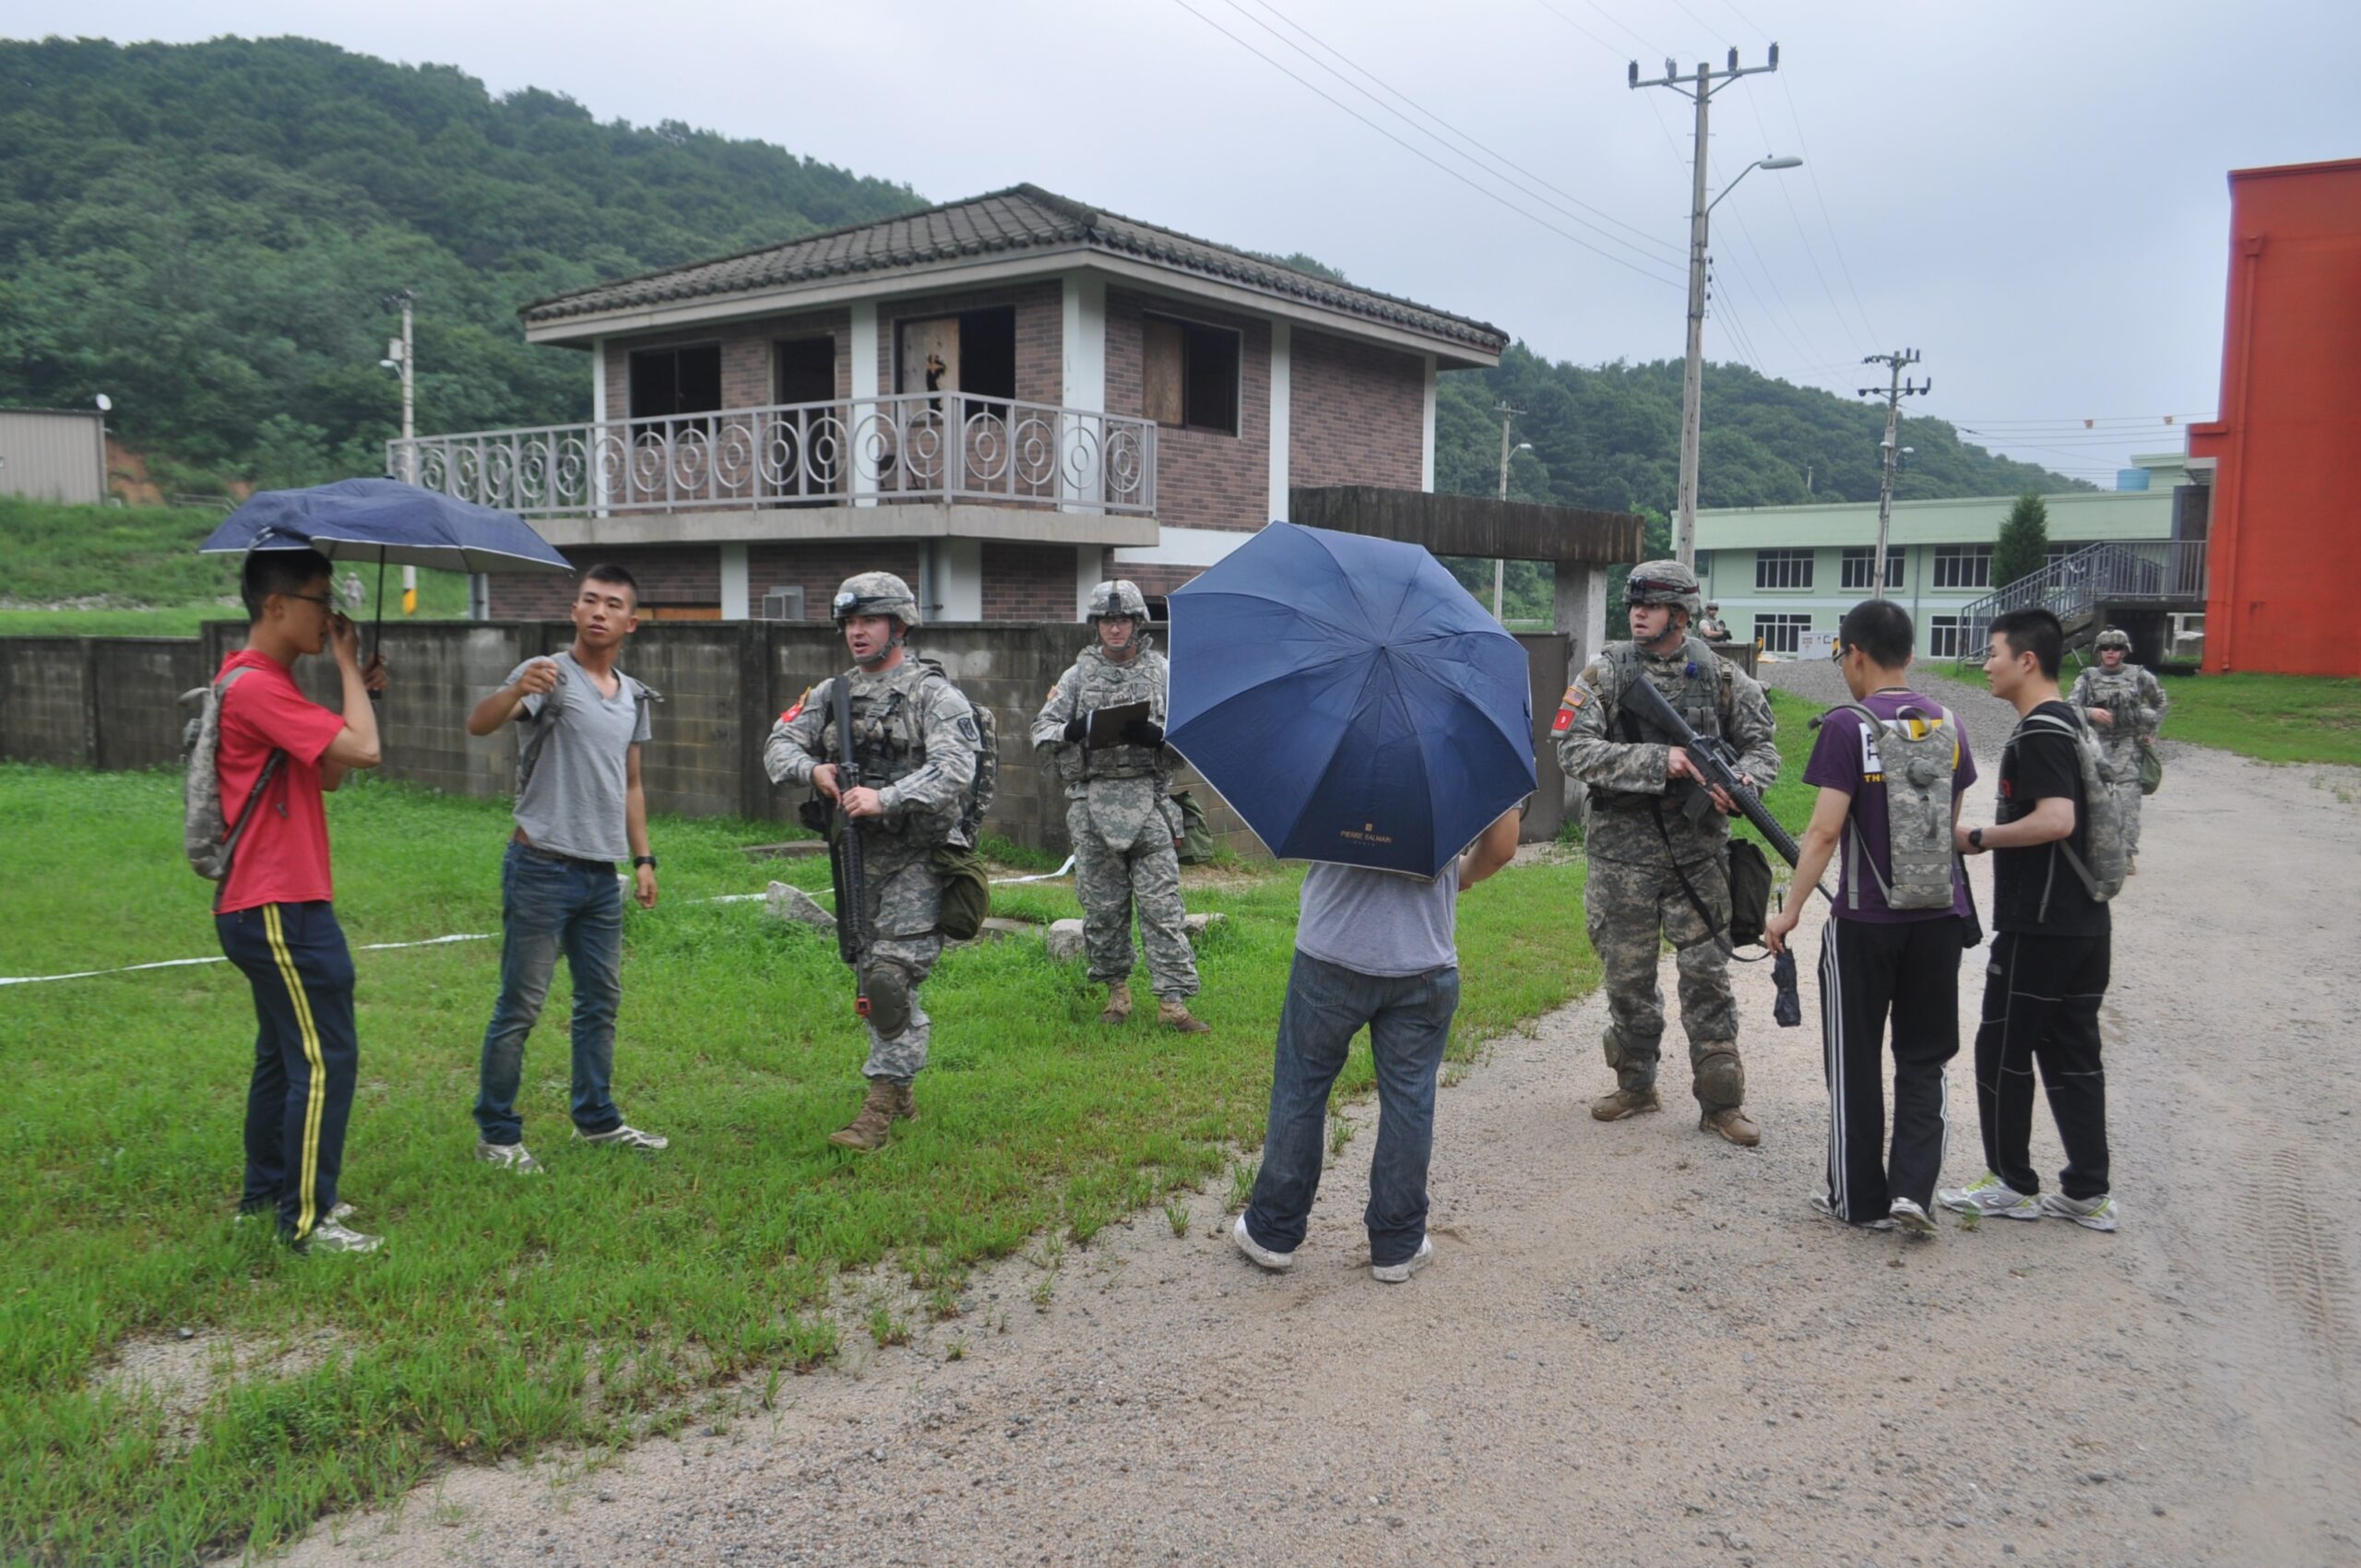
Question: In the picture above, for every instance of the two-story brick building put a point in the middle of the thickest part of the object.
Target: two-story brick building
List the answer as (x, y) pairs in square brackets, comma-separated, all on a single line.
[(1004, 400)]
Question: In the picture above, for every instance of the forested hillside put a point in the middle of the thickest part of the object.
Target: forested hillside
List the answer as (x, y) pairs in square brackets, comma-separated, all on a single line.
[(206, 233)]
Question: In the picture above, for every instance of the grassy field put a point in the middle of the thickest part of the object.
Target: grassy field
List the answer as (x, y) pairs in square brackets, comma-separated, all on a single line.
[(593, 1305), (133, 571), (2271, 717)]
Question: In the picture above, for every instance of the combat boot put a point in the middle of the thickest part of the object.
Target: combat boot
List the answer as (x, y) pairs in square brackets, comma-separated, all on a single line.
[(905, 1104), (1173, 1013), (1733, 1124), (867, 1130), (1624, 1102), (1119, 1003)]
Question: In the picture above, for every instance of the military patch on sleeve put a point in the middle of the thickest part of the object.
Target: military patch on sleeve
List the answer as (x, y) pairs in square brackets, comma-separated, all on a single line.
[(1575, 697), (1053, 695), (793, 714), (968, 731)]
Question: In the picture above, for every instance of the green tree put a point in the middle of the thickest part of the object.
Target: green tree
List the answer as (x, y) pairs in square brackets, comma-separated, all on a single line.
[(2023, 545)]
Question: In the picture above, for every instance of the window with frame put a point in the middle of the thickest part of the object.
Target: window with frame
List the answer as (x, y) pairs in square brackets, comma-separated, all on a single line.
[(1781, 633), (1857, 567), (681, 380), (1946, 636), (1962, 565), (1189, 373), (1783, 569)]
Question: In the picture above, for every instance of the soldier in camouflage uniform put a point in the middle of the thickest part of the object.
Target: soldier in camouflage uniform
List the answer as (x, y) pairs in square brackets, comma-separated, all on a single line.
[(2125, 704), (1641, 843), (916, 738), (1121, 825)]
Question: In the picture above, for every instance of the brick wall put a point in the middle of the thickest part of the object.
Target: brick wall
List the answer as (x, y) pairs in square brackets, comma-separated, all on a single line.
[(820, 569), (747, 379), (1203, 480), (1154, 580), (1028, 582), (1357, 413), (674, 576)]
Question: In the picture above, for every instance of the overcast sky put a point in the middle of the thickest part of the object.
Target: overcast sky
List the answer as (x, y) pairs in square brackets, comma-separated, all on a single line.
[(2030, 195)]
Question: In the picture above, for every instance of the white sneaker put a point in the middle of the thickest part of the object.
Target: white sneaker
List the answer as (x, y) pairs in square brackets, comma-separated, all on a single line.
[(510, 1156), (2091, 1214), (1395, 1272), (328, 1236), (1912, 1220), (1990, 1196), (1821, 1204), (626, 1137), (342, 1211), (1277, 1262)]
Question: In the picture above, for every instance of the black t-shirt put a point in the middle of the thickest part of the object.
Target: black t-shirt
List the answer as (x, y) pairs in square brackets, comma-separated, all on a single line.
[(2036, 889)]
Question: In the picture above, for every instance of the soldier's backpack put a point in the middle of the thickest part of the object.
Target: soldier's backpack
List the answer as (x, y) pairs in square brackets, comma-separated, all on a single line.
[(207, 837), (966, 881), (985, 788), (1917, 755), (1196, 833), (2102, 821)]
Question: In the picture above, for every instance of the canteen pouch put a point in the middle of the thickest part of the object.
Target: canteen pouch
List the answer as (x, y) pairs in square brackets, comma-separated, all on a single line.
[(2151, 766), (966, 890), (814, 812)]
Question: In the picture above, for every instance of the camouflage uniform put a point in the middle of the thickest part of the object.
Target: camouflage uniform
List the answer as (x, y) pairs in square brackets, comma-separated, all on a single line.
[(1632, 893), (1121, 825), (2135, 700), (916, 737)]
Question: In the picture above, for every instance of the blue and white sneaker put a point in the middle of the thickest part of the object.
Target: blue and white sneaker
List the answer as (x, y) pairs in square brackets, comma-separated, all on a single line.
[(626, 1137), (1990, 1196), (2091, 1214), (1912, 1220)]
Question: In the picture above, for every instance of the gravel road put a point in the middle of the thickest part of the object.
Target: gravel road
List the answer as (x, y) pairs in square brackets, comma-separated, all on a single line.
[(1638, 1345)]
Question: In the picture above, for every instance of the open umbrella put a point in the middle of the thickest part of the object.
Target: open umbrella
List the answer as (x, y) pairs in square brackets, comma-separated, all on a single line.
[(1349, 700), (391, 523)]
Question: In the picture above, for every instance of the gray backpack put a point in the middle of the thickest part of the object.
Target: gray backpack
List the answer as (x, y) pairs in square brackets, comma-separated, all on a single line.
[(2103, 875), (206, 837), (1917, 757)]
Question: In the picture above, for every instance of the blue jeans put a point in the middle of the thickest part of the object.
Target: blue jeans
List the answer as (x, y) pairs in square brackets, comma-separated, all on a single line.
[(548, 902), (1409, 1021)]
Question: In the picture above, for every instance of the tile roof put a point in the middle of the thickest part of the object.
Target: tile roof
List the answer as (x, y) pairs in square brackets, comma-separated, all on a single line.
[(1005, 223)]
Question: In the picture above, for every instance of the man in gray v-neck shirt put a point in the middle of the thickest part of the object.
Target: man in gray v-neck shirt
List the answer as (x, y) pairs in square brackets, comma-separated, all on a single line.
[(579, 809)]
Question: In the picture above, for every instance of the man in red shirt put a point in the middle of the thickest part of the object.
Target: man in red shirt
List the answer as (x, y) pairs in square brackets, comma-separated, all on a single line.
[(274, 913)]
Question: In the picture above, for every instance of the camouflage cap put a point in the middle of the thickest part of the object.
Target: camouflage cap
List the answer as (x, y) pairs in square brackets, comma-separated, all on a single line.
[(1120, 597), (874, 593), (2115, 637), (1663, 582)]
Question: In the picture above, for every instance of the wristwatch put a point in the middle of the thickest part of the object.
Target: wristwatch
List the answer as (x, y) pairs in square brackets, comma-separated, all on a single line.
[(639, 861), (1974, 839)]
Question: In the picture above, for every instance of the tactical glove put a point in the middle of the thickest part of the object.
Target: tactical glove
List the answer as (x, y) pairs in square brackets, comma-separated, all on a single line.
[(1077, 727), (1144, 733)]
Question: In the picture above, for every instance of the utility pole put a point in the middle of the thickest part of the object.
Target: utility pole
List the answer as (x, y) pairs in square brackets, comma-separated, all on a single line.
[(1896, 390), (399, 352), (1700, 89), (1500, 565)]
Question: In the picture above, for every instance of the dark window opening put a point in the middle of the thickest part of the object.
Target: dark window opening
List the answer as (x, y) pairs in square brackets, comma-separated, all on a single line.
[(1189, 374), (988, 354), (675, 381), (805, 370)]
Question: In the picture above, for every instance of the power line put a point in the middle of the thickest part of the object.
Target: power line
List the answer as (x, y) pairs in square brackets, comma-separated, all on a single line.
[(1422, 154), (1812, 171)]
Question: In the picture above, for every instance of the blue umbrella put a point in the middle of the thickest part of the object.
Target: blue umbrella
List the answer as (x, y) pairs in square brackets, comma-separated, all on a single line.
[(1349, 700)]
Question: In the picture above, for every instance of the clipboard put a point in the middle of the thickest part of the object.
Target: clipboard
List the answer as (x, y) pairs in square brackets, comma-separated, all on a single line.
[(1107, 724)]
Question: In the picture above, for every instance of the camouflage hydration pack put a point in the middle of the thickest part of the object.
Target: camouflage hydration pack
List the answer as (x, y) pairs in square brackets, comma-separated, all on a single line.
[(985, 788), (1917, 757), (207, 836), (2102, 818)]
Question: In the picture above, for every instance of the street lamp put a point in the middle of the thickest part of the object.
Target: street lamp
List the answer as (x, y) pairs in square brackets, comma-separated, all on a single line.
[(1692, 377), (1500, 564)]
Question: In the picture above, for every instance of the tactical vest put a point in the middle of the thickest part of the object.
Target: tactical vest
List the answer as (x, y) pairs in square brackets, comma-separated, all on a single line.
[(2118, 693), (888, 737), (1696, 697), (1104, 683)]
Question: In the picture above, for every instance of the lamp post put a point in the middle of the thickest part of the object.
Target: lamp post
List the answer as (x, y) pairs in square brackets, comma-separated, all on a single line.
[(1500, 564), (399, 357)]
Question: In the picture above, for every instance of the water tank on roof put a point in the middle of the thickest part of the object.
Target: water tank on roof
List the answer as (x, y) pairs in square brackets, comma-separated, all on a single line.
[(2131, 479)]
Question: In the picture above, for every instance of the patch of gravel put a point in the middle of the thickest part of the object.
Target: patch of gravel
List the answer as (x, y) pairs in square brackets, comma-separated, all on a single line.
[(1638, 1345)]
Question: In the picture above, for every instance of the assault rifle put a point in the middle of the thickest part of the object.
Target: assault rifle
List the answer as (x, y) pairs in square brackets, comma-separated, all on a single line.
[(843, 856), (1716, 759)]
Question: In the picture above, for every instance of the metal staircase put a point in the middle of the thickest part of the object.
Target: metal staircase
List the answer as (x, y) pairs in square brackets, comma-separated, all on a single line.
[(2084, 588)]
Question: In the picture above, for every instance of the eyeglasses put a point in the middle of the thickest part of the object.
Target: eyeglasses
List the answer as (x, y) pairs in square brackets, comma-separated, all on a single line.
[(324, 601), (1835, 653)]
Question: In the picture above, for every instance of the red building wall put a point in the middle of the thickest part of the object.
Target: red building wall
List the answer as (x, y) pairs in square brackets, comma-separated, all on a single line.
[(2283, 554)]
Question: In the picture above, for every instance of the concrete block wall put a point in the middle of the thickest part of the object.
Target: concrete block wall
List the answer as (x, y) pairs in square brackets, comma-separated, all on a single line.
[(135, 687), (45, 701)]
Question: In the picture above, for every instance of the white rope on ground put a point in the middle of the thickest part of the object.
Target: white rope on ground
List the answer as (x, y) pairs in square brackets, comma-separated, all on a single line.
[(433, 941)]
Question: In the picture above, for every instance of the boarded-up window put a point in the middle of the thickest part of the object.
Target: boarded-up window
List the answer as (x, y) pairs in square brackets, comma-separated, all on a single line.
[(1189, 374), (685, 380)]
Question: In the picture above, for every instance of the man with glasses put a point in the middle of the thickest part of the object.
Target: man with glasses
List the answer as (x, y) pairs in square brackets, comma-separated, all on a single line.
[(1657, 870), (279, 751)]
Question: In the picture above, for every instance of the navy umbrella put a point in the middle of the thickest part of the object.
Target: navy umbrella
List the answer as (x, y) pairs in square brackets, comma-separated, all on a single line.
[(1349, 700), (391, 523)]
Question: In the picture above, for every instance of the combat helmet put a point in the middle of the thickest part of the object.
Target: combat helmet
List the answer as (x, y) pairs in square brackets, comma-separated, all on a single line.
[(2115, 637), (1663, 582), (876, 593), (1120, 597)]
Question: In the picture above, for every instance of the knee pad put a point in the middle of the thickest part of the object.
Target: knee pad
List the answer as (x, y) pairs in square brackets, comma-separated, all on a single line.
[(889, 999), (1721, 1079)]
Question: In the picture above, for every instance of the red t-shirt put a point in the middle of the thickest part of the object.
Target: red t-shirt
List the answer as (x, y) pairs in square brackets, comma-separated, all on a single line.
[(283, 856)]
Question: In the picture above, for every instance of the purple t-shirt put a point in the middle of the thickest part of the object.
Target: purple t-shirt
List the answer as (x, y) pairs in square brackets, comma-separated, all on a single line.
[(1845, 757)]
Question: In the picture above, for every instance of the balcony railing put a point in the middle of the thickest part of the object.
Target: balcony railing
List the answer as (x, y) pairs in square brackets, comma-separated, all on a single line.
[(910, 446), (2145, 571)]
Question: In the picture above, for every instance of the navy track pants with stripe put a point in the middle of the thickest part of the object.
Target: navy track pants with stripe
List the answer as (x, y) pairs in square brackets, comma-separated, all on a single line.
[(306, 1054), (1869, 972)]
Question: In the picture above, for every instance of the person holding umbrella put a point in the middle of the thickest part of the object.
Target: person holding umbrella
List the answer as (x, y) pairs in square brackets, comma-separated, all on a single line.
[(1658, 873)]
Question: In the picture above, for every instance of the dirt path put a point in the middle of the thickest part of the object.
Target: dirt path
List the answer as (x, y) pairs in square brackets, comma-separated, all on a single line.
[(1639, 1345)]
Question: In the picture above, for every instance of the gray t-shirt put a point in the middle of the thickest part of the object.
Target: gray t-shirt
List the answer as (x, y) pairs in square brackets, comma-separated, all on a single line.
[(580, 739), (1379, 923)]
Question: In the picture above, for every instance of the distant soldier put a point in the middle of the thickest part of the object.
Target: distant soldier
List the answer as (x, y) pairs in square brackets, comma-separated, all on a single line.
[(1123, 829), (915, 738), (2125, 706), (1712, 629), (1655, 871)]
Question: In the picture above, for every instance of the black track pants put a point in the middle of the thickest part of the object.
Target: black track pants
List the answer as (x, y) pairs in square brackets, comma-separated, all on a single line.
[(1870, 972), (2041, 1006)]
